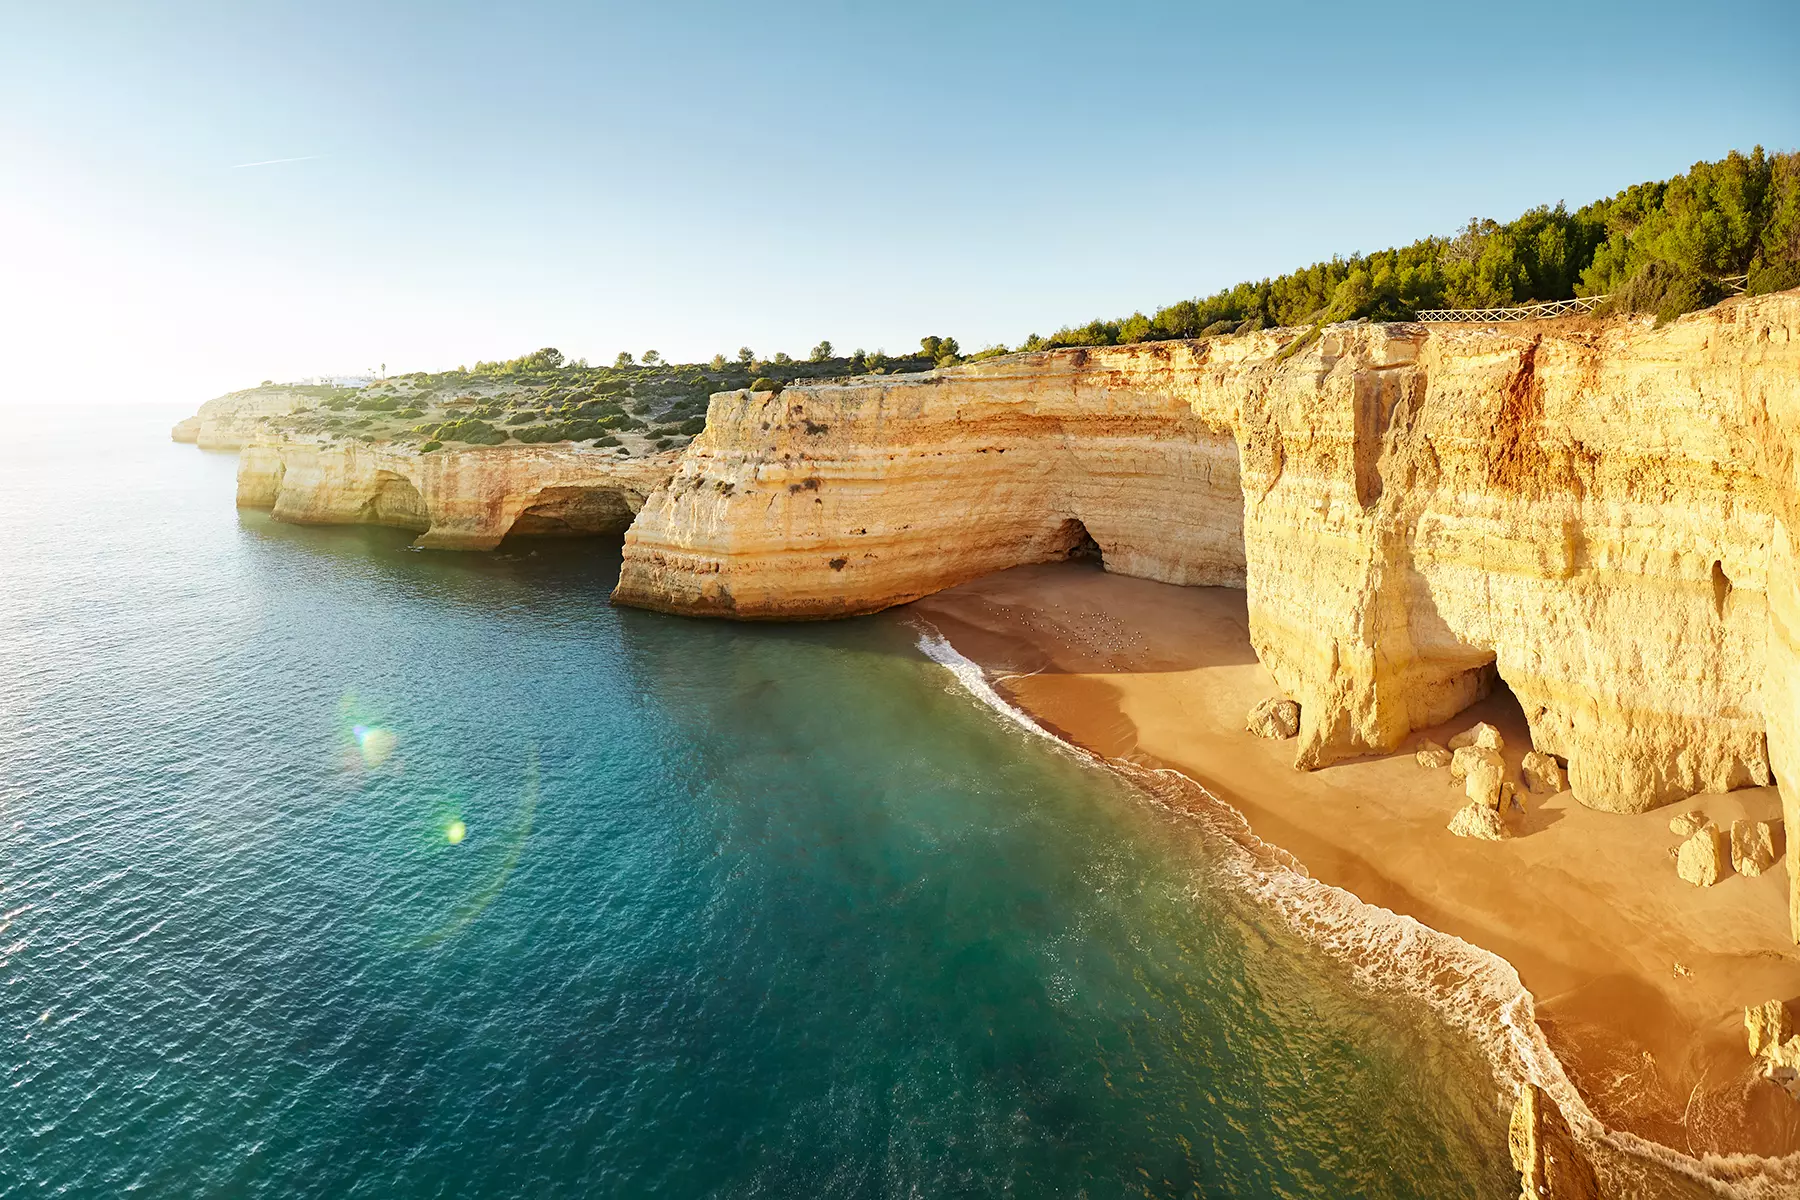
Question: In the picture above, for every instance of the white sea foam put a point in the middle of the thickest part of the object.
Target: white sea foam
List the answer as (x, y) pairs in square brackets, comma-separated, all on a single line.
[(1473, 990)]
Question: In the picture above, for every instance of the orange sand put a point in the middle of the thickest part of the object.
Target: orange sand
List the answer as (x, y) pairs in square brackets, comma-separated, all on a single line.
[(1640, 978)]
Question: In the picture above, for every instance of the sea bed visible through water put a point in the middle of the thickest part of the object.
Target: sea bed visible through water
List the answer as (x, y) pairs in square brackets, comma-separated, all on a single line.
[(328, 867)]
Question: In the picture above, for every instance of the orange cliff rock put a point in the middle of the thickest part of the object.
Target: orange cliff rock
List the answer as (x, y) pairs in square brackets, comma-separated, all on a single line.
[(1603, 515), (456, 499), (231, 421)]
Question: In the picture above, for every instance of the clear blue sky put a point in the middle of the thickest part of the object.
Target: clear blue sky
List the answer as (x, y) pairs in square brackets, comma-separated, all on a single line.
[(480, 180)]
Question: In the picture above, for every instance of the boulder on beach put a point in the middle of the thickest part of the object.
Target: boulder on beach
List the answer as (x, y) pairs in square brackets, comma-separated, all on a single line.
[(1481, 784), (1752, 847), (1430, 754), (1687, 824), (1767, 1025), (1480, 734), (1465, 758), (1702, 858), (1276, 717), (1550, 1164), (1477, 820), (1542, 772)]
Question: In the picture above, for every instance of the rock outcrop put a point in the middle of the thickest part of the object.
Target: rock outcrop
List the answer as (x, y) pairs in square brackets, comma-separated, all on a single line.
[(1702, 858), (1604, 516), (1431, 755), (1687, 824), (1479, 820), (1542, 773), (1479, 734), (1274, 718), (1752, 847), (461, 499), (1767, 1026), (231, 421), (1550, 1165)]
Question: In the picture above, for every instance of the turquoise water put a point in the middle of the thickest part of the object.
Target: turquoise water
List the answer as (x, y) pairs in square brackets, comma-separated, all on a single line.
[(735, 911)]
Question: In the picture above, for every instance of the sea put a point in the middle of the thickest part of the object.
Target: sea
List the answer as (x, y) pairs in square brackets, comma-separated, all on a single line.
[(330, 867)]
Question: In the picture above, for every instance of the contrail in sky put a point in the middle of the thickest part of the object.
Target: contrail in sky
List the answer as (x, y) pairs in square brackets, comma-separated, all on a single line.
[(269, 162)]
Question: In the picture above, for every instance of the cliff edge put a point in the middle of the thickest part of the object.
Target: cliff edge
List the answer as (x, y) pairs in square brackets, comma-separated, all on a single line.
[(1600, 514)]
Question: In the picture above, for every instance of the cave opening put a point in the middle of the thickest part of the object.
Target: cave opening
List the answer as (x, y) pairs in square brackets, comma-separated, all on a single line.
[(1075, 544), (396, 502), (574, 512)]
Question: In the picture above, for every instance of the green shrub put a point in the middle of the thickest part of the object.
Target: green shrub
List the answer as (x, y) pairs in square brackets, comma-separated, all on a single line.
[(762, 383), (1773, 277), (523, 417), (474, 432), (428, 447), (692, 426)]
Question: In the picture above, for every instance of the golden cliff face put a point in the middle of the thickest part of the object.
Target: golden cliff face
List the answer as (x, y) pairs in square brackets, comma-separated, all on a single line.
[(232, 421), (456, 499), (1603, 516)]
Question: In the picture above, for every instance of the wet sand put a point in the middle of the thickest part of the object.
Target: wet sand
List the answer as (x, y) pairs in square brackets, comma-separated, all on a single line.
[(1640, 978)]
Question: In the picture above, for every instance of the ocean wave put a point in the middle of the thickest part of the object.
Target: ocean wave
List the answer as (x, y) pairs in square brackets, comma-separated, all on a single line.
[(1474, 991)]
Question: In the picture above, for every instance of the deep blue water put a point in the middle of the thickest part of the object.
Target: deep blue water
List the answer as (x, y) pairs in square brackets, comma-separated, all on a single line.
[(735, 911)]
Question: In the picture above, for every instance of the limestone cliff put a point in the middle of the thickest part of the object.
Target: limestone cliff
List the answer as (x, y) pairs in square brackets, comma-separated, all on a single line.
[(457, 499), (1602, 514), (229, 422)]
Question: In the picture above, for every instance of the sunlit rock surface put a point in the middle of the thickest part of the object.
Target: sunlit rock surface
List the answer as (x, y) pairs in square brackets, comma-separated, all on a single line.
[(1602, 514)]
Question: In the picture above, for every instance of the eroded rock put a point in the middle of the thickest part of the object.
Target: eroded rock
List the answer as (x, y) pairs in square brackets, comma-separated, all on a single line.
[(1687, 824), (1466, 757), (1481, 783), (1752, 847), (1275, 717), (1702, 858), (1430, 754), (1479, 734), (1542, 772), (1767, 1026), (1478, 820), (1550, 1164)]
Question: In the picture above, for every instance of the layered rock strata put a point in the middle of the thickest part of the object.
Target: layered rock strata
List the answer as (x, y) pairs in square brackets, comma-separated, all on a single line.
[(456, 499), (1601, 515)]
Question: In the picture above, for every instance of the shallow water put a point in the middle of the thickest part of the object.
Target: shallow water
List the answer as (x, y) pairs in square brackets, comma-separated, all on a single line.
[(735, 911)]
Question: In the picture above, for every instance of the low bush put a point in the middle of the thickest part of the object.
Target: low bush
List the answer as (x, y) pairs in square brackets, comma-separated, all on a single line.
[(762, 383), (474, 432), (428, 447), (692, 426)]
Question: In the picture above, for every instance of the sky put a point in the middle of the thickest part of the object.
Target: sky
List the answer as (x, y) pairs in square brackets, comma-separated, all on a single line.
[(197, 197)]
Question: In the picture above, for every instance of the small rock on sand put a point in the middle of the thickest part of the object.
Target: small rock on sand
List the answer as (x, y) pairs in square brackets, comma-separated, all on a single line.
[(1702, 858), (1687, 824), (1550, 1165), (1478, 820), (1482, 782), (1767, 1025), (1465, 758), (1432, 755), (1542, 772), (1275, 717), (1480, 734), (1752, 847)]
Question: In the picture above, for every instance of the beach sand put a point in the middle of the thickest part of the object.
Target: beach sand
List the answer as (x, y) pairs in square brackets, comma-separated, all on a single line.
[(1640, 978)]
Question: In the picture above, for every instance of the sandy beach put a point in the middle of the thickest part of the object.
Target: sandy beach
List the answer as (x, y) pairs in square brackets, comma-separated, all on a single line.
[(1640, 978)]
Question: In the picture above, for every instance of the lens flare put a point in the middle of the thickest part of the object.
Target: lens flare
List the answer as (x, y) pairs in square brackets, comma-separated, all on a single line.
[(456, 832), (374, 742)]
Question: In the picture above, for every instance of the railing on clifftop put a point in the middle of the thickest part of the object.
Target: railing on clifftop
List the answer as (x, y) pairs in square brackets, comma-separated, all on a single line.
[(1523, 312), (1734, 285)]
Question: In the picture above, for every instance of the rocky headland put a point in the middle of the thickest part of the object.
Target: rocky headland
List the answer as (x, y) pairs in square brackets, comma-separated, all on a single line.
[(1591, 522)]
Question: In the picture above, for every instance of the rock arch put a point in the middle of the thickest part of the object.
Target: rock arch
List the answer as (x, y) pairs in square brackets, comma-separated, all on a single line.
[(573, 511)]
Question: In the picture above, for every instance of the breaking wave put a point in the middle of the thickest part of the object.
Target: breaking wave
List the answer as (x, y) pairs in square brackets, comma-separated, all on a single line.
[(1474, 991)]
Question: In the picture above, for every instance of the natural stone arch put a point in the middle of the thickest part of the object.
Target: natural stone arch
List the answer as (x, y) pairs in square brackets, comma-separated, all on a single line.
[(575, 511), (396, 501)]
